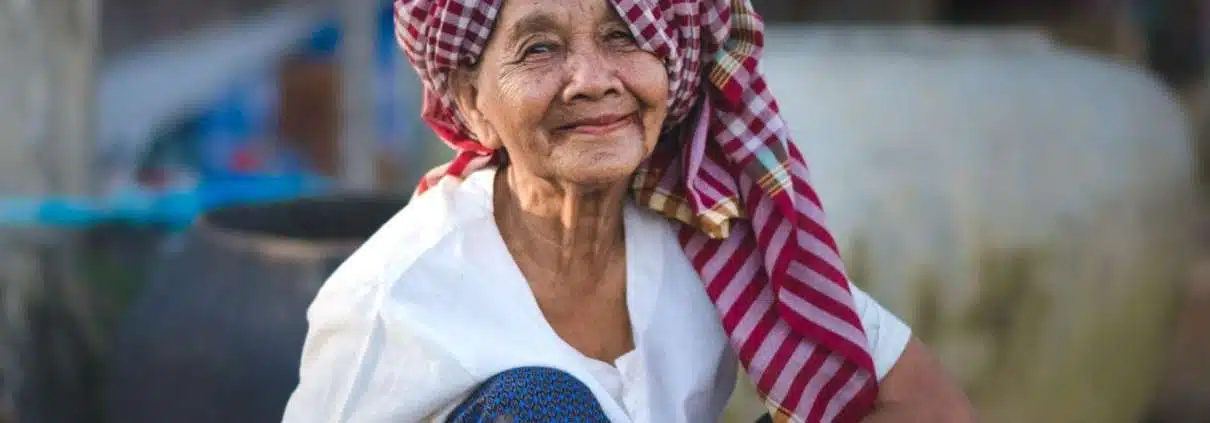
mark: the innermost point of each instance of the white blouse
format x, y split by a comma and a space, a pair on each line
433, 304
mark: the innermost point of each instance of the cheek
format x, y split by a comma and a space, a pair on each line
519, 102
648, 81
533, 90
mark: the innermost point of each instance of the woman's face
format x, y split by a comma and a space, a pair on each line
563, 87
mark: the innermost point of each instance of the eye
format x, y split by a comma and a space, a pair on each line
539, 48
620, 35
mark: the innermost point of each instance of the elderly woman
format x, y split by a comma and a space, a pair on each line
625, 220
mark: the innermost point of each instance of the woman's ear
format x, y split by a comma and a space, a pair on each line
466, 95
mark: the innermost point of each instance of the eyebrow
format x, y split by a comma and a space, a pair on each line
536, 22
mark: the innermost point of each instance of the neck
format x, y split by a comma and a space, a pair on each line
562, 228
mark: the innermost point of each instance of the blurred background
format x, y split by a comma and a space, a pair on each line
1020, 180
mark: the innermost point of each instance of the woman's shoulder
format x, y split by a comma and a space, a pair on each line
377, 321
422, 229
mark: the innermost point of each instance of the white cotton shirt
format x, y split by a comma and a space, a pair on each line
433, 305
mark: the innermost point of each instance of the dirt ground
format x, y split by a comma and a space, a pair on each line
1185, 395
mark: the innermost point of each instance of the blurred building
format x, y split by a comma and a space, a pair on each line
1169, 35
126, 24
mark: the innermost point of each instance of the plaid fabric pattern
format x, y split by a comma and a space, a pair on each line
726, 168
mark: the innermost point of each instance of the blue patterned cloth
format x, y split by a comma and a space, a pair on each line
530, 395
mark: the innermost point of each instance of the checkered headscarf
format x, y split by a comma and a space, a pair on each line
753, 226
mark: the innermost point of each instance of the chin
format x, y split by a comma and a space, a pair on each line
600, 175
600, 169
600, 166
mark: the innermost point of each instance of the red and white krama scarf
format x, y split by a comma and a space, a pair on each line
726, 168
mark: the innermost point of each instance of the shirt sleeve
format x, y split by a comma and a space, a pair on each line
887, 334
362, 363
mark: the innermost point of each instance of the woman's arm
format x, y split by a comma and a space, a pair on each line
364, 361
917, 389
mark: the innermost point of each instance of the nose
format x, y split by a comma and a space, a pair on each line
592, 75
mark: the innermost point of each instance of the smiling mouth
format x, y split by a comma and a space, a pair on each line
600, 126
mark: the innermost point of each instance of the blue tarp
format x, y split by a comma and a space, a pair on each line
218, 83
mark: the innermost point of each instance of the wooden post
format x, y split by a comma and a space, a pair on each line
73, 43
50, 338
359, 141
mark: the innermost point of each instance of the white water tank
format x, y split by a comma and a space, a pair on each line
1026, 209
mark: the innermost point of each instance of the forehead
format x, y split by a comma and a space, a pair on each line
520, 15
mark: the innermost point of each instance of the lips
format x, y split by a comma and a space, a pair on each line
599, 125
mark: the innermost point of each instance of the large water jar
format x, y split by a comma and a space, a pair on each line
217, 334
1027, 210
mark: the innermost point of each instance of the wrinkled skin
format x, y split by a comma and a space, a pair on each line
563, 88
